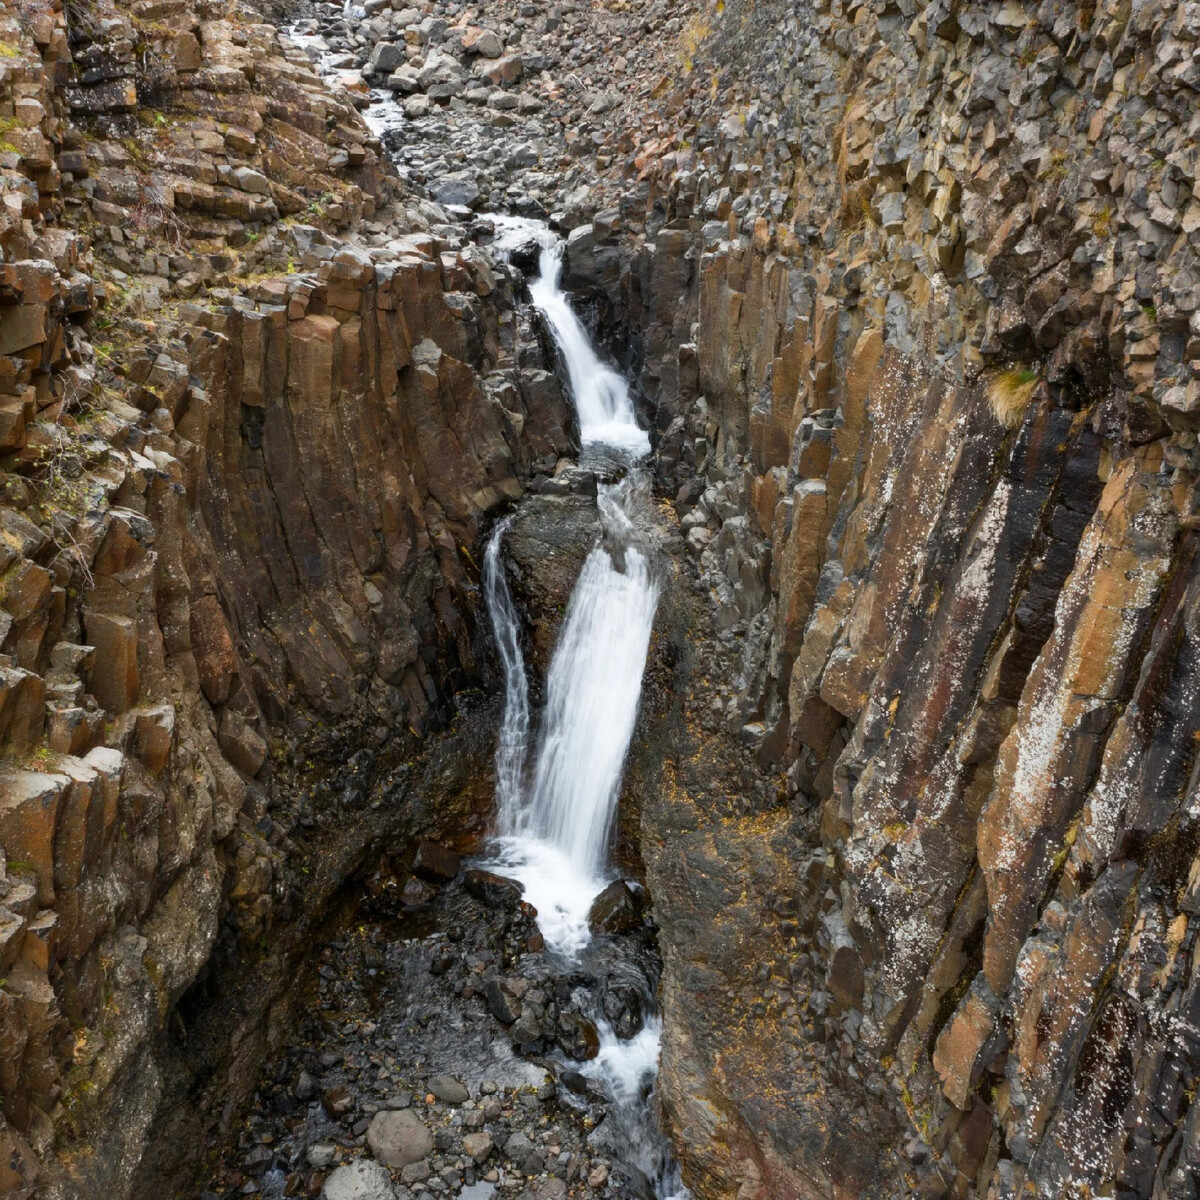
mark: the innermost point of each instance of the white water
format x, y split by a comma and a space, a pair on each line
600, 394
514, 727
555, 835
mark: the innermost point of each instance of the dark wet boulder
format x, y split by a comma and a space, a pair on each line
573, 1081
337, 1100
624, 1009
528, 1035
436, 863
494, 891
416, 892
618, 909
577, 1037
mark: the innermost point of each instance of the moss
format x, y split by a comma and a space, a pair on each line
1102, 225
8, 50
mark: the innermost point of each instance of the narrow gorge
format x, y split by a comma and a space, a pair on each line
599, 599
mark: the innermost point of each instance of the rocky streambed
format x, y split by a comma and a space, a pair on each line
443, 1051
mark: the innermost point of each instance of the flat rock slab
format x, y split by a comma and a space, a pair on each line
398, 1138
360, 1180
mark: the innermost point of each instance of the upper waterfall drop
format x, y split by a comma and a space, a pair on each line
601, 395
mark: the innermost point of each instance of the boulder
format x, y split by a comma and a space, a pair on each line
494, 891
504, 70
578, 1037
405, 80
359, 1180
448, 1089
386, 57
398, 1137
484, 42
478, 1145
416, 892
454, 189
618, 909
502, 1001
436, 863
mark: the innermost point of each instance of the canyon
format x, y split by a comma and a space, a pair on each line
906, 299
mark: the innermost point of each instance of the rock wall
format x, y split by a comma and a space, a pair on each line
914, 288
253, 411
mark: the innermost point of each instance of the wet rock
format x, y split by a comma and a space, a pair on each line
494, 891
398, 1138
416, 892
503, 1002
618, 909
578, 1037
436, 863
359, 1180
338, 1100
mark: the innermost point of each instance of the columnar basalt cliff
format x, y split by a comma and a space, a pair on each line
934, 269
912, 297
245, 463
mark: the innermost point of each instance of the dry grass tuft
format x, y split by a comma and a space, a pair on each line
1009, 394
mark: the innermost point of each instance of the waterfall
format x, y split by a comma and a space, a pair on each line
593, 688
600, 394
514, 726
554, 834
555, 838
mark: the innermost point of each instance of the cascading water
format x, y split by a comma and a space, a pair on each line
600, 394
555, 834
555, 828
514, 727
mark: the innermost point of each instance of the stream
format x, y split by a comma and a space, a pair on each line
557, 796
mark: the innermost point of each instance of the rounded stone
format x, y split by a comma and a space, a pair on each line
359, 1180
398, 1138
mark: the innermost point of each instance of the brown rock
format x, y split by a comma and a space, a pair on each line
844, 979
957, 1055
436, 863
216, 659
154, 731
29, 806
241, 744
113, 678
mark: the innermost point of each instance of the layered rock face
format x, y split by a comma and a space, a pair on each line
911, 293
933, 269
245, 462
